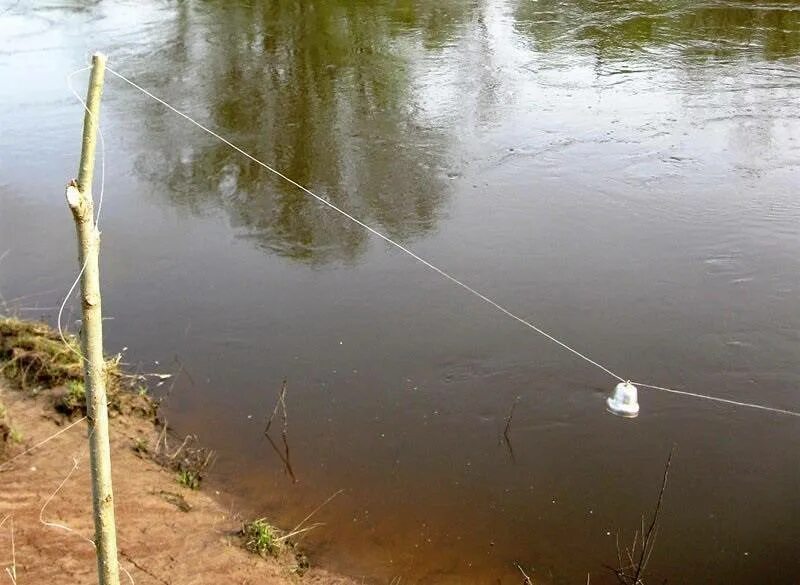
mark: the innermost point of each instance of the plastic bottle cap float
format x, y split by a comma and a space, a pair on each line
624, 401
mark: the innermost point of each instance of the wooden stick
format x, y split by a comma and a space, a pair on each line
79, 199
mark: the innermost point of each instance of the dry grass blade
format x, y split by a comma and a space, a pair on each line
317, 509
12, 570
526, 579
190, 461
301, 531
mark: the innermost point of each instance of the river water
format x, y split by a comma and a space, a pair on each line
622, 173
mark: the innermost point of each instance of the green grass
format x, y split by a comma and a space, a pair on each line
15, 436
189, 479
32, 353
140, 446
35, 357
75, 398
260, 537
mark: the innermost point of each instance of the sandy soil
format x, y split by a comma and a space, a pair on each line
160, 542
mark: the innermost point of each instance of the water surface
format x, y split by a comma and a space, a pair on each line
621, 173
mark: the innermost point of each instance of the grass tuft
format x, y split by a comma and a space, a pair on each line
33, 355
261, 538
189, 479
74, 399
15, 436
190, 461
140, 446
8, 434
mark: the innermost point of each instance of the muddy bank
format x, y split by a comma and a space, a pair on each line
167, 531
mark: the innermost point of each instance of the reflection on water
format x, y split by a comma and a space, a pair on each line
639, 29
321, 92
331, 94
622, 172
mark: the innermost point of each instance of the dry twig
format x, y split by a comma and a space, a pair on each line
281, 402
639, 553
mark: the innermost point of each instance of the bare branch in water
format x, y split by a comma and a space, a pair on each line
506, 437
649, 540
284, 457
639, 553
510, 417
281, 402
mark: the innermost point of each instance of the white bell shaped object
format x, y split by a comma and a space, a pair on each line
624, 401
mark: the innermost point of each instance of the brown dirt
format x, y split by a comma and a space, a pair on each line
166, 533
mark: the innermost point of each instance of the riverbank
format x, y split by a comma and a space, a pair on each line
168, 532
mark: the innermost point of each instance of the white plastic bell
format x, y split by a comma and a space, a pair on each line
624, 401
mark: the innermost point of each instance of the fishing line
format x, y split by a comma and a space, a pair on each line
40, 443
47, 524
431, 266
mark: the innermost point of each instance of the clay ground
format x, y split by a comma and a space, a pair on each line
159, 542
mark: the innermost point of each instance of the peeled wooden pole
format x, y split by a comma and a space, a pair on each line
79, 199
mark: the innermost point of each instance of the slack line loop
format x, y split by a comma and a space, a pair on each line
324, 201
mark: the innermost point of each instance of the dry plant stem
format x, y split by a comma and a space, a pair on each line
12, 569
648, 539
527, 580
284, 457
638, 555
79, 199
301, 531
506, 437
281, 402
510, 418
317, 509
